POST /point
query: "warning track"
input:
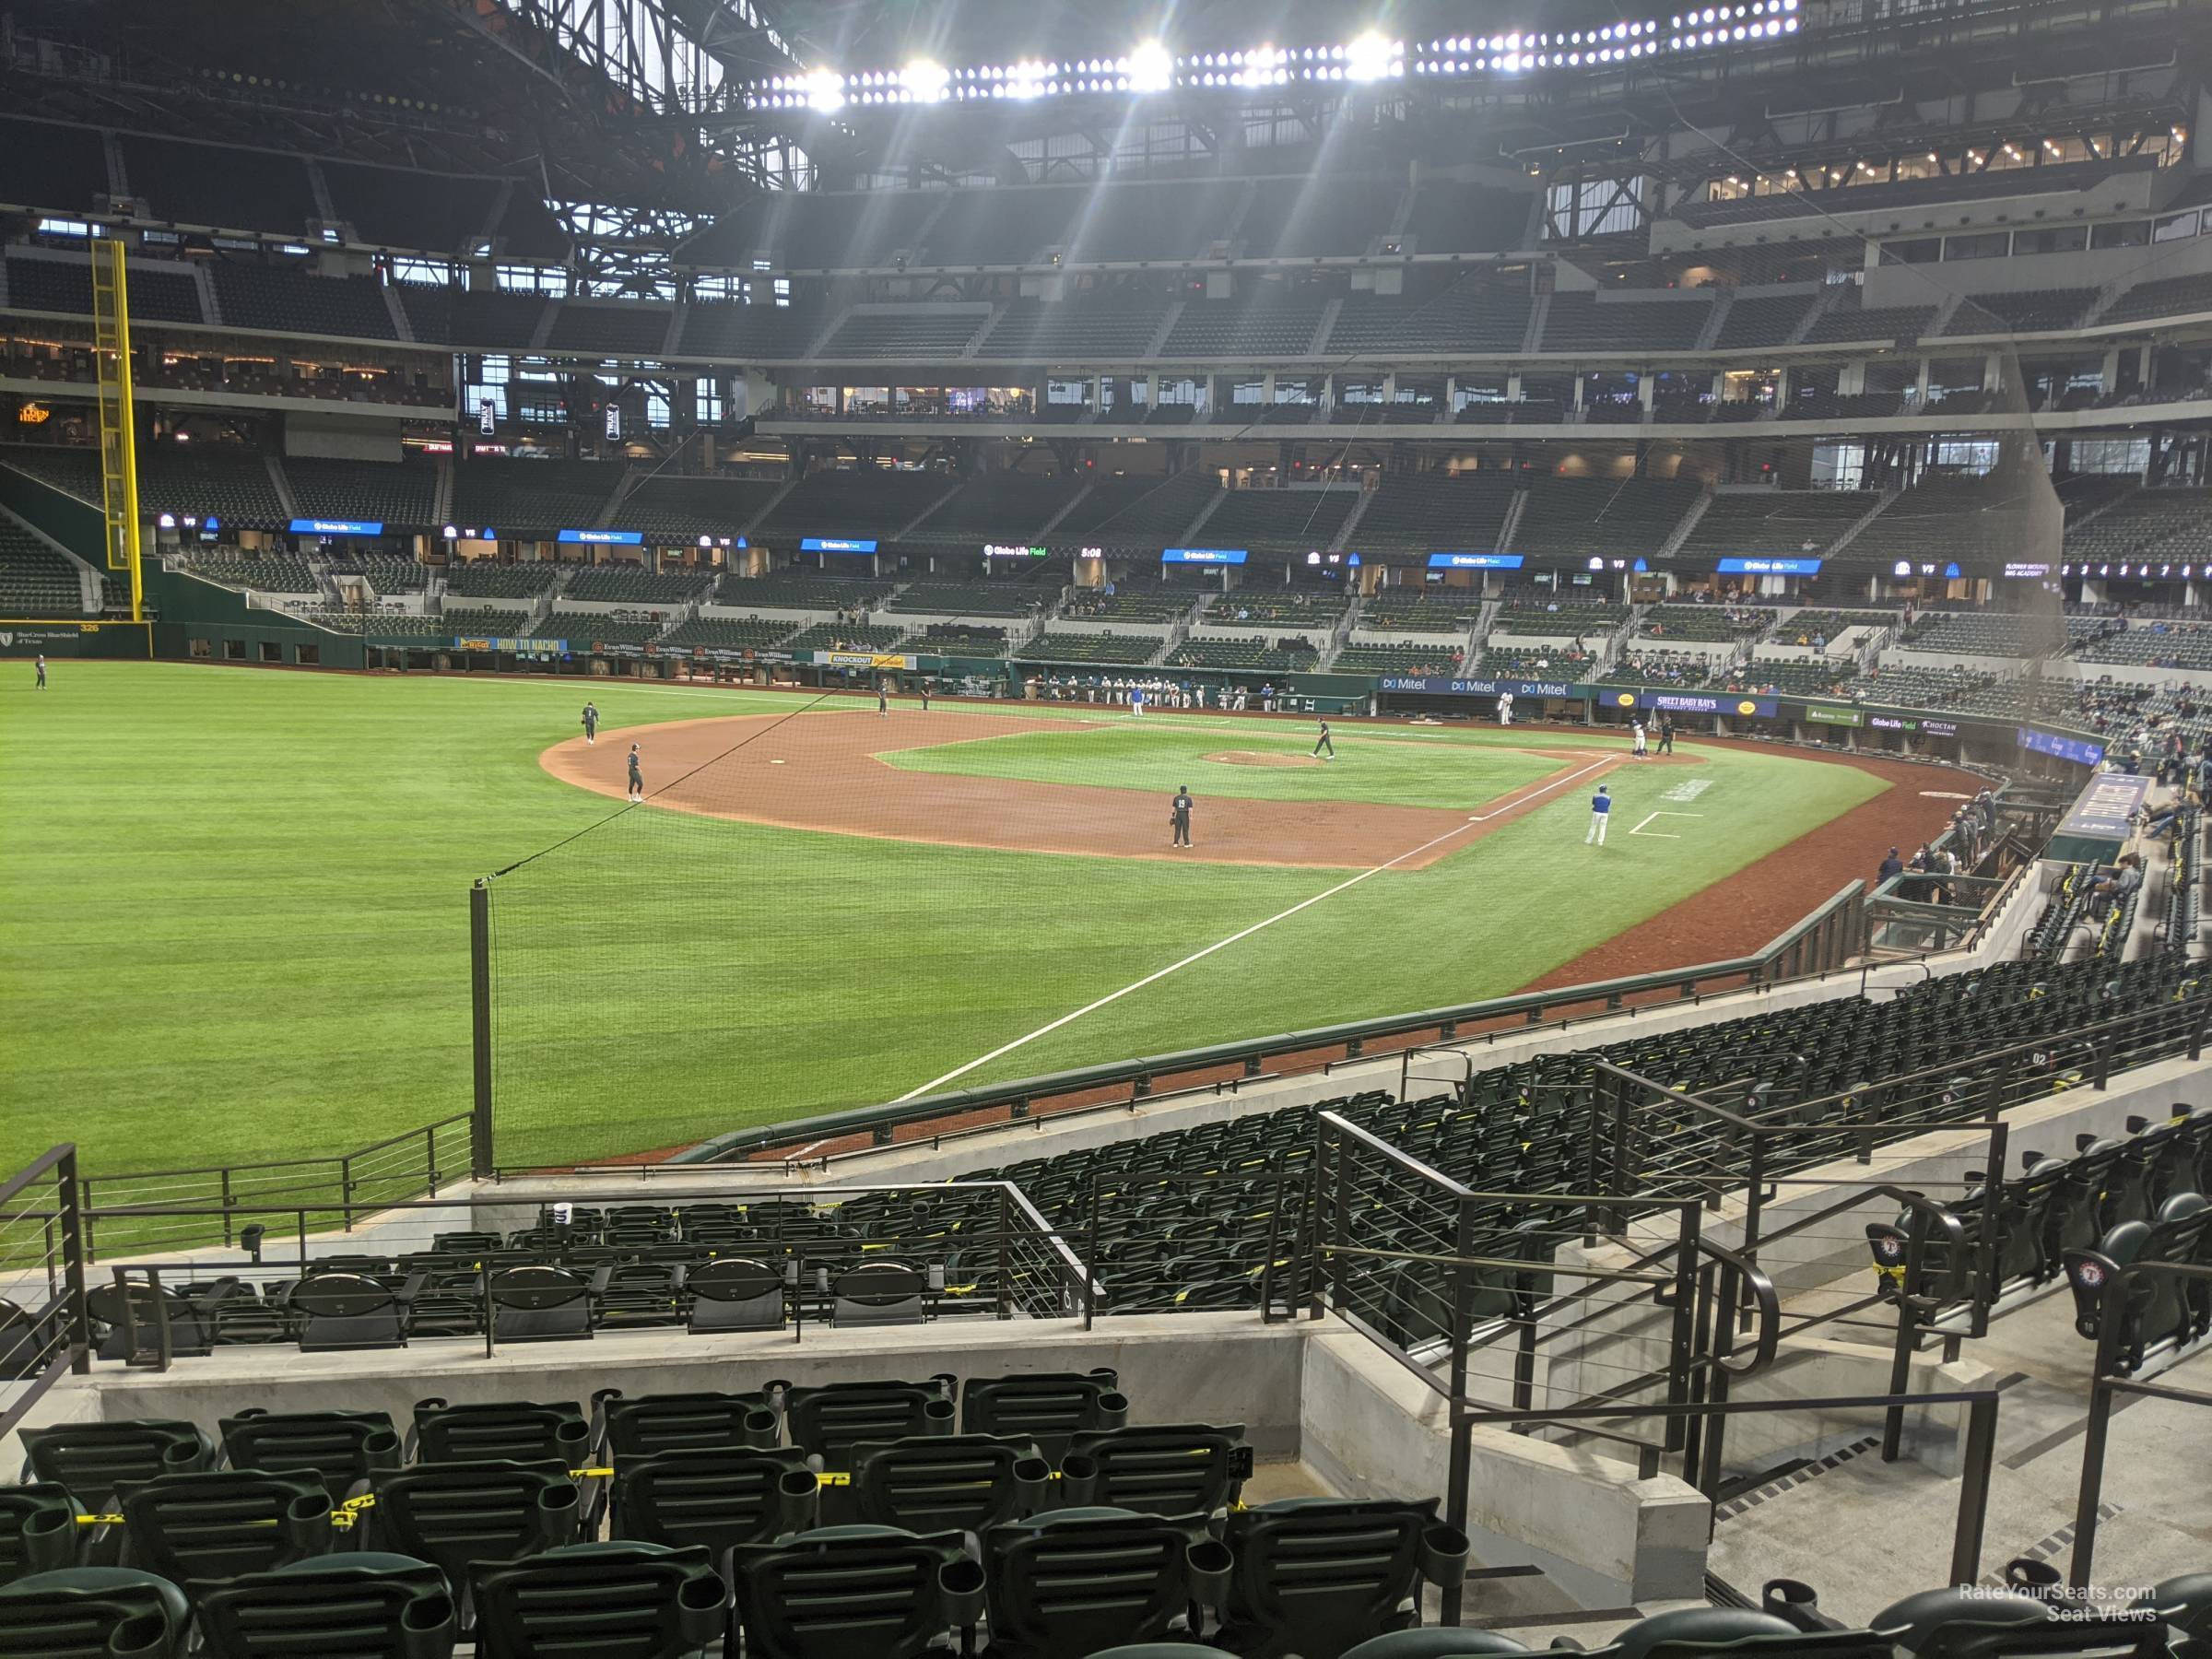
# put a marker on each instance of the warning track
(824, 771)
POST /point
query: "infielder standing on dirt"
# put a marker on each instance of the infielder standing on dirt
(1327, 748)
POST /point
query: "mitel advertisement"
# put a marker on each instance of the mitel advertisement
(1442, 685)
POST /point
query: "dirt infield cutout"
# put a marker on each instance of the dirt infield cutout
(831, 780)
(1261, 757)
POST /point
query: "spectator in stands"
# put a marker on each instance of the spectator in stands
(2124, 879)
(1891, 866)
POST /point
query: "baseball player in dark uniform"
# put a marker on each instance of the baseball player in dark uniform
(883, 696)
(591, 723)
(1179, 815)
(1667, 733)
(1326, 747)
(636, 777)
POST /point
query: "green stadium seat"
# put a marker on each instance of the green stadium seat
(38, 1529)
(717, 1496)
(1158, 1469)
(363, 1605)
(456, 1513)
(339, 1448)
(1045, 1407)
(622, 1600)
(856, 1592)
(1317, 1576)
(93, 1613)
(827, 1421)
(653, 1424)
(1063, 1584)
(218, 1524)
(501, 1429)
(953, 1482)
(93, 1459)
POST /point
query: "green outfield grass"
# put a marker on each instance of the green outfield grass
(232, 914)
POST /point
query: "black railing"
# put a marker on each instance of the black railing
(360, 1181)
(1012, 1263)
(43, 1328)
(2107, 1382)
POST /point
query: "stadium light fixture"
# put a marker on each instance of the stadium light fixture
(922, 81)
(1372, 58)
(1151, 69)
(825, 92)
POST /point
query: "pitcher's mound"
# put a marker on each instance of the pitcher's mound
(1262, 758)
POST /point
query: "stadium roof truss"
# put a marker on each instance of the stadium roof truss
(666, 53)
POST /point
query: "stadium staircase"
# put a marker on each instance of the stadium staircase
(906, 529)
(281, 483)
(768, 507)
(442, 501)
(543, 333)
(1532, 339)
(1511, 522)
(1213, 505)
(1067, 507)
(402, 326)
(1698, 510)
(1351, 522)
(1318, 345)
(1716, 320)
(631, 478)
(1159, 342)
(1831, 296)
(1852, 531)
(671, 340)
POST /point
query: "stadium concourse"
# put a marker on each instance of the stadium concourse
(836, 830)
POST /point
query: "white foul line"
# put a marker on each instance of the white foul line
(1661, 834)
(1197, 956)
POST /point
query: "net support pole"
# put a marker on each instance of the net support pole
(479, 1022)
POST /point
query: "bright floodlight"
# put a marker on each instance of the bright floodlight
(1368, 57)
(1152, 69)
(825, 92)
(1025, 79)
(924, 81)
